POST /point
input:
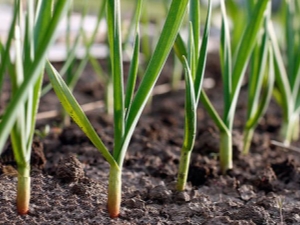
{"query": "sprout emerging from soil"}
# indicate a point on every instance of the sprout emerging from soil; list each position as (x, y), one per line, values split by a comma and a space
(26, 73)
(126, 115)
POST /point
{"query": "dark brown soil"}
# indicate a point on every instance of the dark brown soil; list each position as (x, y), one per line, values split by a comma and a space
(71, 187)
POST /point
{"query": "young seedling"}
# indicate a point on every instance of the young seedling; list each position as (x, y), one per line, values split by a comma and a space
(232, 76)
(125, 117)
(287, 72)
(194, 72)
(26, 73)
(261, 82)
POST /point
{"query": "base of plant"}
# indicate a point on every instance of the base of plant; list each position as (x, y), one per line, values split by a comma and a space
(225, 152)
(183, 170)
(289, 130)
(114, 192)
(247, 136)
(23, 195)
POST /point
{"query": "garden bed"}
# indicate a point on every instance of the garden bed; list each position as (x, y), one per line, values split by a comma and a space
(71, 186)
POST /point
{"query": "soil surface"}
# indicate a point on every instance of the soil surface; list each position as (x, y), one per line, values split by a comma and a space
(70, 177)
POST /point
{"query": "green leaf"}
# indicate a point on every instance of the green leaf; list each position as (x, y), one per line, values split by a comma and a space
(115, 44)
(225, 60)
(75, 111)
(132, 72)
(203, 55)
(158, 59)
(32, 73)
(190, 110)
(244, 51)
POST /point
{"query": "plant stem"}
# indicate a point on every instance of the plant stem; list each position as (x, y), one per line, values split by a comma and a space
(109, 102)
(225, 151)
(289, 129)
(23, 189)
(114, 191)
(183, 169)
(248, 135)
(296, 128)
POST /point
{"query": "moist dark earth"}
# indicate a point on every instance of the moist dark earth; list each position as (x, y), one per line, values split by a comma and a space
(70, 177)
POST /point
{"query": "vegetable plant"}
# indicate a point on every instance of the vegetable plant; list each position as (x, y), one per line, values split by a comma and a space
(194, 66)
(287, 72)
(128, 109)
(26, 74)
(260, 84)
(233, 71)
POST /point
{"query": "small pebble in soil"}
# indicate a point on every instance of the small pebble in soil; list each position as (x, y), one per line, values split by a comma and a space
(134, 203)
(160, 194)
(265, 179)
(182, 197)
(246, 192)
(69, 169)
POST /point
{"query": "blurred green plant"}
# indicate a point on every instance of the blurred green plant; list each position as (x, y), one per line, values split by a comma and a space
(287, 71)
(194, 66)
(26, 75)
(232, 75)
(260, 83)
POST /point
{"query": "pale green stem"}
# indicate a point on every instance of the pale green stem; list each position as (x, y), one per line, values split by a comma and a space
(247, 137)
(23, 189)
(289, 129)
(114, 191)
(66, 118)
(109, 102)
(183, 169)
(225, 151)
(296, 129)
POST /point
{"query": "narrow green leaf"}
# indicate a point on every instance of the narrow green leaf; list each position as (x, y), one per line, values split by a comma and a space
(180, 49)
(32, 72)
(203, 55)
(225, 60)
(192, 52)
(266, 97)
(194, 15)
(75, 111)
(132, 72)
(212, 112)
(257, 74)
(244, 51)
(281, 76)
(158, 59)
(44, 15)
(5, 51)
(190, 110)
(114, 38)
